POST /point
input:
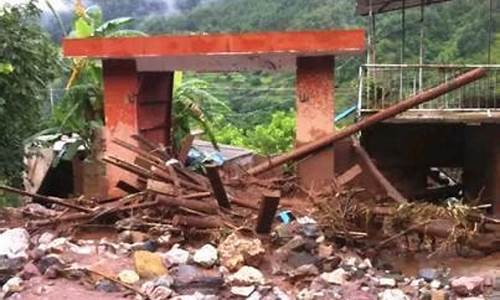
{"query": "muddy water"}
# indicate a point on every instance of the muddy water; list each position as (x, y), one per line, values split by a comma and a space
(460, 266)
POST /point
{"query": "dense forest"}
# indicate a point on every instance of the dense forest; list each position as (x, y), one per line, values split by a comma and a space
(256, 109)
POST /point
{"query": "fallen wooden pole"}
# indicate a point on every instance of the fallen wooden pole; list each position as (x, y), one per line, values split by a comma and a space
(391, 191)
(47, 199)
(385, 114)
(195, 205)
(197, 222)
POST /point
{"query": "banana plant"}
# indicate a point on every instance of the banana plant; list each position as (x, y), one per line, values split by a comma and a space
(194, 105)
(81, 109)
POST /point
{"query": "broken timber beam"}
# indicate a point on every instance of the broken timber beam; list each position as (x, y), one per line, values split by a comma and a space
(385, 114)
(391, 191)
(200, 206)
(46, 199)
(217, 186)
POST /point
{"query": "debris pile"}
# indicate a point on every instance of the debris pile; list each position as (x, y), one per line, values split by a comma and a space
(297, 262)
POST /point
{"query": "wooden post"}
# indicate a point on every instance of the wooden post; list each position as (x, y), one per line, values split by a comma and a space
(267, 212)
(217, 186)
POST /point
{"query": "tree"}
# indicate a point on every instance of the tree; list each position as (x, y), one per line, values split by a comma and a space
(28, 63)
(81, 109)
(186, 5)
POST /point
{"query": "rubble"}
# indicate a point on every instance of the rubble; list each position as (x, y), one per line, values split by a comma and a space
(175, 237)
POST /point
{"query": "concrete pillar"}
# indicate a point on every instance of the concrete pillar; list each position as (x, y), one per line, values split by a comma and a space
(482, 165)
(134, 103)
(315, 115)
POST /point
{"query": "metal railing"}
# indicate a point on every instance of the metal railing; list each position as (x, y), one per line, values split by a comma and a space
(383, 85)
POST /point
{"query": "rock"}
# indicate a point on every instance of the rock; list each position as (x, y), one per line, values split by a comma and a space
(177, 256)
(428, 274)
(206, 256)
(435, 284)
(158, 289)
(188, 279)
(305, 270)
(325, 251)
(46, 238)
(52, 272)
(338, 277)
(106, 286)
(309, 227)
(242, 291)
(255, 296)
(150, 245)
(49, 260)
(128, 277)
(14, 243)
(13, 285)
(161, 293)
(365, 264)
(294, 244)
(440, 295)
(387, 282)
(247, 276)
(29, 271)
(9, 267)
(280, 295)
(465, 286)
(297, 259)
(237, 250)
(196, 296)
(358, 295)
(394, 294)
(149, 265)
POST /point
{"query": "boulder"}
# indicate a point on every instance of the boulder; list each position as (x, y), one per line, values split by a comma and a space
(13, 285)
(237, 250)
(465, 286)
(338, 276)
(128, 277)
(247, 275)
(14, 243)
(394, 294)
(177, 256)
(149, 265)
(242, 291)
(206, 256)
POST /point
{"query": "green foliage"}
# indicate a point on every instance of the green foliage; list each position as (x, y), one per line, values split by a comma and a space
(193, 103)
(28, 63)
(81, 109)
(275, 137)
